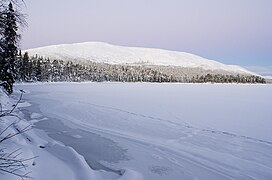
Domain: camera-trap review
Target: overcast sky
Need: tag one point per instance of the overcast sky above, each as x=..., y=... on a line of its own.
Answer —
x=229, y=31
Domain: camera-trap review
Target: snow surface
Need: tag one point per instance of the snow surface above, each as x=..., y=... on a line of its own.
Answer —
x=112, y=54
x=155, y=131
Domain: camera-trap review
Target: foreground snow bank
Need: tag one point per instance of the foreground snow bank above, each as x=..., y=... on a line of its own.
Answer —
x=48, y=159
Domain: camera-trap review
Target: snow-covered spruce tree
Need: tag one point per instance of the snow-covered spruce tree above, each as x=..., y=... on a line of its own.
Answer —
x=10, y=21
x=8, y=45
x=9, y=161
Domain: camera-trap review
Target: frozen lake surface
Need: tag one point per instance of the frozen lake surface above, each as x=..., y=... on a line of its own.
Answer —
x=161, y=131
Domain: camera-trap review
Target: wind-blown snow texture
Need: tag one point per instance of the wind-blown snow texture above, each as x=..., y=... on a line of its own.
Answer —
x=112, y=54
x=162, y=131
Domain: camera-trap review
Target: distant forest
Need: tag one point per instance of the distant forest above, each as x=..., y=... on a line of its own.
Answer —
x=39, y=69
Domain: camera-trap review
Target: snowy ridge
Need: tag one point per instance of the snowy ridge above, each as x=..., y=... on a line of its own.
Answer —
x=106, y=53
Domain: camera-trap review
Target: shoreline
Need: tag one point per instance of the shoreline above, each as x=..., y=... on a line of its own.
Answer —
x=54, y=128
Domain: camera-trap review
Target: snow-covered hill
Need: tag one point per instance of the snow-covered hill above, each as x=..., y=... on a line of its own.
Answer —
x=112, y=54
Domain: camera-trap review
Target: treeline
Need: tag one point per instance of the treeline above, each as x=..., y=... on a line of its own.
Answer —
x=33, y=69
x=46, y=70
x=220, y=78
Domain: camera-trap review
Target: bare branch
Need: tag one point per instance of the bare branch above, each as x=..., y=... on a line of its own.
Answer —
x=10, y=162
x=8, y=136
x=6, y=113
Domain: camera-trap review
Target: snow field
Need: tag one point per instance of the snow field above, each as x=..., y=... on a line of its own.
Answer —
x=161, y=131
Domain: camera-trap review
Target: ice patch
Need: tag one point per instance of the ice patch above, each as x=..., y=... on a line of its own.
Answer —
x=77, y=136
x=23, y=104
x=35, y=116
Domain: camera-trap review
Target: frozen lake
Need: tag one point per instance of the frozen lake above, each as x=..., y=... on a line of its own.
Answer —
x=161, y=131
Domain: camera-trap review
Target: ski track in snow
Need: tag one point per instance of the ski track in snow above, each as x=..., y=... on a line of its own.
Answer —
x=158, y=148
x=178, y=124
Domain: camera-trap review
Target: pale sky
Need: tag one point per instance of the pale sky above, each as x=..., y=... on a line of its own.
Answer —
x=230, y=31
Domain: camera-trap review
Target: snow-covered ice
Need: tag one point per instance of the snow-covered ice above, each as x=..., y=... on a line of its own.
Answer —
x=157, y=131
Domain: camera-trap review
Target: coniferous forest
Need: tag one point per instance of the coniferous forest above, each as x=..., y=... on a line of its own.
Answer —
x=38, y=69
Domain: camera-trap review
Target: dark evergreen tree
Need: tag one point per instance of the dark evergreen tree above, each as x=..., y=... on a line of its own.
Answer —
x=8, y=48
x=25, y=65
x=19, y=67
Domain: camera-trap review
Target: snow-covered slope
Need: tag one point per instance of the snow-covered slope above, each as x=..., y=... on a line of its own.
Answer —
x=112, y=54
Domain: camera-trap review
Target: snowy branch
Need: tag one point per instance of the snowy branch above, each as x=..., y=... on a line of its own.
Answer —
x=10, y=162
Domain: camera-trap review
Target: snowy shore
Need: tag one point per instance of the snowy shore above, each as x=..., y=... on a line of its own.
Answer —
x=49, y=159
